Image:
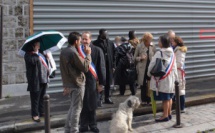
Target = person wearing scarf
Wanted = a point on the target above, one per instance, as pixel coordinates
(164, 87)
(180, 51)
(95, 81)
(37, 73)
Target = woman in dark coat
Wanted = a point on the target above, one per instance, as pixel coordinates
(37, 76)
(125, 68)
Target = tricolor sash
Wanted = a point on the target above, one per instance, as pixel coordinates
(168, 71)
(182, 74)
(43, 60)
(92, 66)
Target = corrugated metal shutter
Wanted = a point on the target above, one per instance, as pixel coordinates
(185, 17)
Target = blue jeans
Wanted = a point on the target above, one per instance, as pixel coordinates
(182, 101)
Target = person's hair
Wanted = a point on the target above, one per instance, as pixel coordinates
(73, 36)
(146, 36)
(101, 31)
(123, 39)
(178, 40)
(117, 37)
(87, 32)
(164, 41)
(31, 46)
(131, 34)
(170, 32)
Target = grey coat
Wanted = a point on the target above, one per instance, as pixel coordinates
(141, 64)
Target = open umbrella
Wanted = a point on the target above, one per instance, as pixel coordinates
(49, 41)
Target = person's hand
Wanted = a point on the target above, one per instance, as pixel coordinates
(66, 91)
(87, 50)
(143, 57)
(114, 69)
(99, 88)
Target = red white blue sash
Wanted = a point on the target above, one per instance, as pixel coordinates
(168, 71)
(182, 74)
(169, 67)
(92, 66)
(43, 60)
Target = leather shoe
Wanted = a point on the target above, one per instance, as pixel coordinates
(36, 120)
(162, 120)
(94, 129)
(108, 101)
(82, 129)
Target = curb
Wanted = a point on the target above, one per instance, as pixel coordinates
(102, 115)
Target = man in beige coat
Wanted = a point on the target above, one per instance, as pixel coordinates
(143, 55)
(72, 67)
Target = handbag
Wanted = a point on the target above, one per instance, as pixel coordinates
(159, 70)
(52, 75)
(131, 75)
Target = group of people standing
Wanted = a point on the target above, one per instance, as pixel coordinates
(172, 52)
(89, 67)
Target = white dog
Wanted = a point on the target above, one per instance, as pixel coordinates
(122, 120)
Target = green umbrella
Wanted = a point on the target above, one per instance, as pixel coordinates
(49, 41)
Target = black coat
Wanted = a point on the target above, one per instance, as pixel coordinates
(36, 72)
(108, 49)
(33, 66)
(90, 97)
(125, 72)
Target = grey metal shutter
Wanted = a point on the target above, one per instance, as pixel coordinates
(185, 17)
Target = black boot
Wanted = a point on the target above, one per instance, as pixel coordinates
(108, 101)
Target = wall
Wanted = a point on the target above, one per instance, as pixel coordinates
(15, 30)
(185, 17)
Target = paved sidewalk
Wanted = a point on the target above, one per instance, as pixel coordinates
(15, 111)
(18, 108)
(197, 118)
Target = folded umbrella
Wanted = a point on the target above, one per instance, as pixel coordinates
(154, 106)
(50, 41)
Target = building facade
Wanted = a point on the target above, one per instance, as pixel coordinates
(186, 17)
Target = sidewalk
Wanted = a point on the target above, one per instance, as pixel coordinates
(15, 111)
(196, 119)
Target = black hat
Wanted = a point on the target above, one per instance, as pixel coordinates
(124, 39)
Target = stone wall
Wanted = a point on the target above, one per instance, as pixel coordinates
(15, 31)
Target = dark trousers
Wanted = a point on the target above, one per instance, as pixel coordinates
(88, 118)
(100, 98)
(144, 91)
(37, 101)
(108, 82)
(182, 102)
(131, 86)
(107, 91)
